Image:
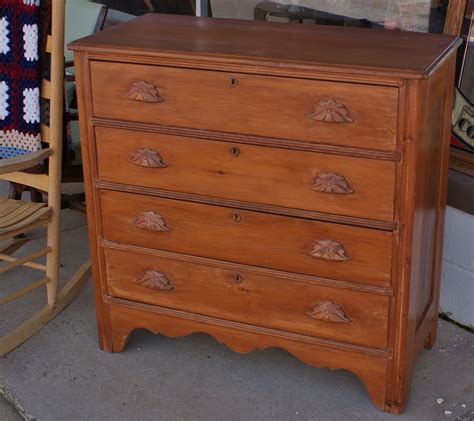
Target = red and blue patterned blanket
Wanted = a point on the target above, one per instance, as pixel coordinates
(19, 77)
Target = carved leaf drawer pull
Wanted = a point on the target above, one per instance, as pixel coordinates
(148, 158)
(155, 280)
(330, 182)
(144, 92)
(329, 250)
(331, 111)
(150, 221)
(327, 311)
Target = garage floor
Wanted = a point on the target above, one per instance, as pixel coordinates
(60, 374)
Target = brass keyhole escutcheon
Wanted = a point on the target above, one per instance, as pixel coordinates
(233, 82)
(234, 151)
(236, 217)
(238, 278)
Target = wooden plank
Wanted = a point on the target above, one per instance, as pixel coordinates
(49, 43)
(239, 236)
(462, 161)
(37, 181)
(191, 164)
(17, 294)
(25, 261)
(9, 206)
(455, 17)
(23, 229)
(28, 328)
(45, 133)
(272, 44)
(261, 100)
(42, 215)
(219, 294)
(22, 162)
(14, 214)
(46, 89)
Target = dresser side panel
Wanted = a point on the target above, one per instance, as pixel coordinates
(421, 203)
(84, 98)
(430, 196)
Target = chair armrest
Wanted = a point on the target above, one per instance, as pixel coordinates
(23, 162)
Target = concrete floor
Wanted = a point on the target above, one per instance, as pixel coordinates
(60, 374)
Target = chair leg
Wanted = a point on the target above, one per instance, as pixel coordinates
(52, 259)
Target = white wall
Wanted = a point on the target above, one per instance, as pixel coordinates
(457, 277)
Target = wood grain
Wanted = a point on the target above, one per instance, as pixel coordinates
(259, 105)
(258, 239)
(454, 17)
(249, 140)
(213, 291)
(277, 210)
(258, 174)
(272, 45)
(333, 283)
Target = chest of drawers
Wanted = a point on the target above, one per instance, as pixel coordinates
(270, 185)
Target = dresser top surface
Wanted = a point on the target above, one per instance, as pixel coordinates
(358, 50)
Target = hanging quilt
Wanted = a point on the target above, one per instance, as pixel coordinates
(19, 77)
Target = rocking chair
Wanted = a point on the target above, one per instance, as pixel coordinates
(18, 217)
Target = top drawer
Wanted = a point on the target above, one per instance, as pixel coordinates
(314, 111)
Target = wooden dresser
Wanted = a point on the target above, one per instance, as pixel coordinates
(271, 185)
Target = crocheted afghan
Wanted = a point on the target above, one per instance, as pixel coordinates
(19, 77)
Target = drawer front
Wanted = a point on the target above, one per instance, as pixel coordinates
(296, 109)
(239, 294)
(305, 180)
(292, 244)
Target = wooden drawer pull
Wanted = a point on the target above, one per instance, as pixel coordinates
(150, 221)
(144, 92)
(155, 280)
(147, 158)
(327, 311)
(331, 111)
(330, 182)
(329, 250)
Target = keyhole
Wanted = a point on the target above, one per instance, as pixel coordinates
(234, 151)
(233, 82)
(238, 278)
(236, 217)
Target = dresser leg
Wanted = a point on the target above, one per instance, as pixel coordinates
(119, 339)
(113, 333)
(379, 392)
(432, 335)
